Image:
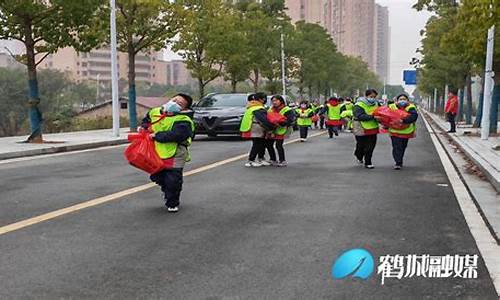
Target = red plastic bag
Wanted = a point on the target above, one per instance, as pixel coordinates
(390, 117)
(275, 118)
(141, 153)
(315, 118)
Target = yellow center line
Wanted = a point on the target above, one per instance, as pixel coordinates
(112, 197)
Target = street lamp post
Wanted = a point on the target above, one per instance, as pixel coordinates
(283, 71)
(114, 72)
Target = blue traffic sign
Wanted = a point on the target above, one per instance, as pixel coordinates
(410, 77)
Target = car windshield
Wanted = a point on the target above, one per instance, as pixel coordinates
(228, 100)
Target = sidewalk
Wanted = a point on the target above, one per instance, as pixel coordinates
(484, 153)
(12, 147)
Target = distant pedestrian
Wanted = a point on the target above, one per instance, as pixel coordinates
(172, 130)
(254, 126)
(304, 119)
(451, 109)
(365, 127)
(400, 137)
(333, 118)
(278, 136)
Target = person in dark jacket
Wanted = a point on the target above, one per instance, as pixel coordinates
(282, 132)
(172, 130)
(401, 135)
(255, 126)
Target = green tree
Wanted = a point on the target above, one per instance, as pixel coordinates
(43, 27)
(144, 25)
(200, 37)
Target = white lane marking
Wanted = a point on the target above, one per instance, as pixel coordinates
(116, 196)
(27, 158)
(490, 250)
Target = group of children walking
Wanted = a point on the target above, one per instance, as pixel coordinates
(171, 128)
(265, 133)
(336, 114)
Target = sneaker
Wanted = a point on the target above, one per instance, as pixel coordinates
(253, 164)
(264, 163)
(173, 209)
(359, 161)
(370, 166)
(273, 163)
(282, 164)
(397, 167)
(305, 140)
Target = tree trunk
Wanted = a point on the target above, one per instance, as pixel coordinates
(201, 87)
(255, 81)
(468, 112)
(132, 108)
(234, 84)
(479, 111)
(495, 101)
(34, 98)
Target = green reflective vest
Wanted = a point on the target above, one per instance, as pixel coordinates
(333, 112)
(167, 150)
(247, 121)
(372, 124)
(304, 121)
(347, 105)
(281, 130)
(408, 130)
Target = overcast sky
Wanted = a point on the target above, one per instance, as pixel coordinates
(405, 24)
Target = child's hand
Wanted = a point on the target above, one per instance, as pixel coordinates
(152, 136)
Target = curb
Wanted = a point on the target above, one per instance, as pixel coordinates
(495, 183)
(59, 149)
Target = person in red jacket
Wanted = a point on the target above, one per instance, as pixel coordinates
(451, 109)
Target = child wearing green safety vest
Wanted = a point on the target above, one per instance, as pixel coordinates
(304, 119)
(282, 132)
(400, 137)
(333, 118)
(346, 113)
(255, 126)
(365, 127)
(172, 129)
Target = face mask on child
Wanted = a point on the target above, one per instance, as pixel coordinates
(172, 107)
(402, 103)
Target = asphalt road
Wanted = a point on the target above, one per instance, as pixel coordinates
(241, 233)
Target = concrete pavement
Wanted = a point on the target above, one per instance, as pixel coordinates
(242, 233)
(13, 147)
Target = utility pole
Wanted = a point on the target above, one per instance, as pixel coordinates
(114, 72)
(283, 71)
(488, 85)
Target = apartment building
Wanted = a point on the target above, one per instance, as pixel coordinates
(96, 65)
(358, 27)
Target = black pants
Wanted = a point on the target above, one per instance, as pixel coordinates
(333, 130)
(170, 182)
(451, 119)
(322, 122)
(364, 148)
(303, 131)
(258, 148)
(398, 149)
(279, 147)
